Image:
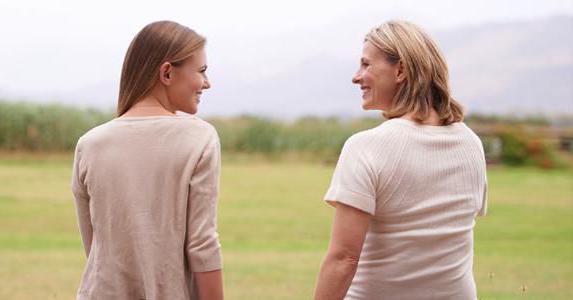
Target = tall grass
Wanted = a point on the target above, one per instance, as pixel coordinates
(44, 127)
(320, 136)
(56, 128)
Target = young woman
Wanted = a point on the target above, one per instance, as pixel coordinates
(406, 192)
(146, 183)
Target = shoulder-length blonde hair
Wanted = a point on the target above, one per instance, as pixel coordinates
(155, 44)
(426, 73)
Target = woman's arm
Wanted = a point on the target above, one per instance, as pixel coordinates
(202, 246)
(82, 199)
(339, 266)
(209, 285)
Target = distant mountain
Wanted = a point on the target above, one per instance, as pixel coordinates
(523, 67)
(504, 68)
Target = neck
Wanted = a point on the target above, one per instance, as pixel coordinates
(433, 119)
(150, 106)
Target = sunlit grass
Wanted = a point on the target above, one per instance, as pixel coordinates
(274, 229)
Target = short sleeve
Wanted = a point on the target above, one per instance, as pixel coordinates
(354, 180)
(203, 249)
(483, 210)
(484, 197)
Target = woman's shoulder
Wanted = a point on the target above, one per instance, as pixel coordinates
(369, 139)
(386, 131)
(184, 125)
(93, 133)
(192, 122)
(397, 131)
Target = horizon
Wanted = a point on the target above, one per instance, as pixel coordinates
(286, 36)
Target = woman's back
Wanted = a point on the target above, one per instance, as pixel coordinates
(424, 185)
(146, 190)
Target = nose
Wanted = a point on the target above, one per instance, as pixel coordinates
(357, 78)
(206, 84)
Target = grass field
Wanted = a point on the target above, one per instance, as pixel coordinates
(274, 229)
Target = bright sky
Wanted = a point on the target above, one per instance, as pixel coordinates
(61, 46)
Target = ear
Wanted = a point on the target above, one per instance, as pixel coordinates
(165, 73)
(400, 75)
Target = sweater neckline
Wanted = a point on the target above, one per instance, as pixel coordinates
(153, 117)
(428, 128)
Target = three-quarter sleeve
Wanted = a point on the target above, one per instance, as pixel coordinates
(202, 245)
(353, 182)
(82, 200)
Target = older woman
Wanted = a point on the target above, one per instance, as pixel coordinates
(407, 192)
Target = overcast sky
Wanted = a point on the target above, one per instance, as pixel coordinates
(54, 47)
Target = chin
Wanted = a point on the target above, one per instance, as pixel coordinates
(369, 104)
(366, 105)
(189, 110)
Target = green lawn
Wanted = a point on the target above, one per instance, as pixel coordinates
(274, 229)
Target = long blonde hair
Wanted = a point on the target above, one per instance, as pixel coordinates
(426, 83)
(155, 44)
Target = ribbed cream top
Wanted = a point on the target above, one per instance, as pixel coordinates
(424, 186)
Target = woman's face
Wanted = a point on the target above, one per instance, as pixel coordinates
(378, 78)
(188, 82)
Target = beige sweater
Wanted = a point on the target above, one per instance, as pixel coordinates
(423, 186)
(146, 190)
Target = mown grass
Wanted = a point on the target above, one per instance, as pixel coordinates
(274, 229)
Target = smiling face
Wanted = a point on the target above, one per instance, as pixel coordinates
(187, 82)
(378, 78)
